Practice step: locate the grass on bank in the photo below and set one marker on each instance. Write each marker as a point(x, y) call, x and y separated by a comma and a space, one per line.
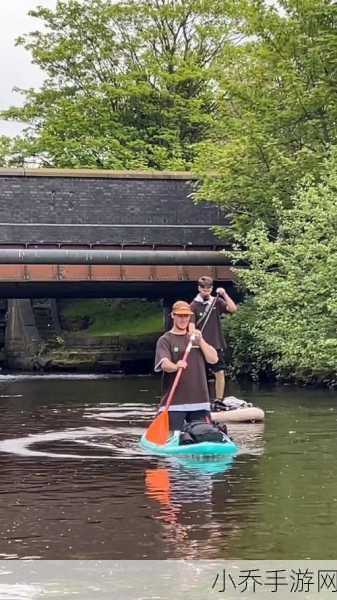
point(107, 317)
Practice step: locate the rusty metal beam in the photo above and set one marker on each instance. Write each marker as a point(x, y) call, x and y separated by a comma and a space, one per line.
point(67, 256)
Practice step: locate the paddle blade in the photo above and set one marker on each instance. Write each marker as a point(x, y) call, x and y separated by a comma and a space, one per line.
point(158, 432)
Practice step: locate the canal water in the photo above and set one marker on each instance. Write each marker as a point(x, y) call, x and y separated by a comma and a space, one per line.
point(75, 484)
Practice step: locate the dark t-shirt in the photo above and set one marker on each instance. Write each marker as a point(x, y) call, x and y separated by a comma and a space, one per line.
point(192, 391)
point(212, 332)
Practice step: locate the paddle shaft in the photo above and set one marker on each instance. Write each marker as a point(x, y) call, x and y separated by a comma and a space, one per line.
point(209, 312)
point(178, 375)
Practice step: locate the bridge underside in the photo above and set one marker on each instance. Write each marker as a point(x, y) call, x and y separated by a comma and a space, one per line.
point(61, 281)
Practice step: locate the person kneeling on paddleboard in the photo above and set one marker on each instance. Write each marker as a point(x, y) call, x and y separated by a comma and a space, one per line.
point(191, 400)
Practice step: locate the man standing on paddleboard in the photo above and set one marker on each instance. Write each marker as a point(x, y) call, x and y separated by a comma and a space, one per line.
point(191, 400)
point(207, 310)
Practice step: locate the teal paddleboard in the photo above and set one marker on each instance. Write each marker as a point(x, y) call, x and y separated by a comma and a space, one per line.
point(172, 447)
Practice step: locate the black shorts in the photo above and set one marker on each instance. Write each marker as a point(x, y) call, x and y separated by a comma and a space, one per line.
point(178, 418)
point(220, 365)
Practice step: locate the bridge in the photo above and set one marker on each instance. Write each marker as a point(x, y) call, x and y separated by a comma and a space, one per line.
point(85, 233)
point(104, 233)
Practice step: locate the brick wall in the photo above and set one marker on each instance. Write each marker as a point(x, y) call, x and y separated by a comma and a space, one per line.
point(56, 208)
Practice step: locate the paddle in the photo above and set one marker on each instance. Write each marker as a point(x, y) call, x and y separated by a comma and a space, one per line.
point(159, 430)
point(209, 312)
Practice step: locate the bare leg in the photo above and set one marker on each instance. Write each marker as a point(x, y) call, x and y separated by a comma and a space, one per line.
point(219, 385)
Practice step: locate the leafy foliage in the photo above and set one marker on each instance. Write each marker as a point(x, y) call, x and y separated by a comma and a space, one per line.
point(6, 146)
point(107, 317)
point(289, 327)
point(277, 109)
point(129, 84)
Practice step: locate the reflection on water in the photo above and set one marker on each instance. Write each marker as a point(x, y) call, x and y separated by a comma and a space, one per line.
point(75, 483)
point(19, 592)
point(22, 376)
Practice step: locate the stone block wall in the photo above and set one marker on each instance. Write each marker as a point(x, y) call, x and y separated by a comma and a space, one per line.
point(38, 207)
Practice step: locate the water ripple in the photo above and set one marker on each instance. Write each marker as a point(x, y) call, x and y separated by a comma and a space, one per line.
point(23, 446)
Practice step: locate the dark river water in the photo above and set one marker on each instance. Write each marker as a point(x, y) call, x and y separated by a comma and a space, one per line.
point(75, 484)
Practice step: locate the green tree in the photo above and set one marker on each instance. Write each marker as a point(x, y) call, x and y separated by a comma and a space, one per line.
point(128, 84)
point(276, 106)
point(6, 145)
point(289, 326)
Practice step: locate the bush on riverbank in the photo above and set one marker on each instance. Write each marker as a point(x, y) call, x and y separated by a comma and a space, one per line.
point(289, 328)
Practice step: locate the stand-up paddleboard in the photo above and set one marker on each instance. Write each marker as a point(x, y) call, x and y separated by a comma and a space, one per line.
point(233, 410)
point(252, 414)
point(173, 448)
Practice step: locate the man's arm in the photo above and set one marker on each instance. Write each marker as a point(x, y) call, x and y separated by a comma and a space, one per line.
point(230, 304)
point(170, 367)
point(163, 360)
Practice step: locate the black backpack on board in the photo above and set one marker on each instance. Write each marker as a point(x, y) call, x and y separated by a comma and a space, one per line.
point(200, 431)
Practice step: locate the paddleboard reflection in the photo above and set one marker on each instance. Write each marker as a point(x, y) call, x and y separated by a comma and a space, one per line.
point(182, 488)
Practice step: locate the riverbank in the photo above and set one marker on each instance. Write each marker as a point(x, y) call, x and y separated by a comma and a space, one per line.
point(119, 336)
point(111, 317)
point(100, 335)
